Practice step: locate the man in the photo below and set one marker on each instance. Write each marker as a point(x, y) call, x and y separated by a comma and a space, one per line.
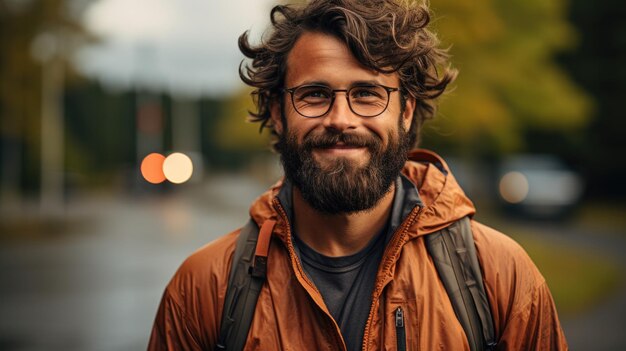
point(345, 87)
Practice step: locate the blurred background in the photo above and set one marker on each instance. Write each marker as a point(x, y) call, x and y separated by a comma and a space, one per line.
point(91, 229)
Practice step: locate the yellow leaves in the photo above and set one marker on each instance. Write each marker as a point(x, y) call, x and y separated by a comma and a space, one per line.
point(234, 132)
point(478, 114)
point(508, 80)
point(466, 23)
point(557, 104)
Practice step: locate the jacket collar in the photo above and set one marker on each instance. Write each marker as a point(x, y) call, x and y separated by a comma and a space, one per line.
point(444, 200)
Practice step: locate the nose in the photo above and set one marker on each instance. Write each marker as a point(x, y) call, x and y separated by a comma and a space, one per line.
point(340, 117)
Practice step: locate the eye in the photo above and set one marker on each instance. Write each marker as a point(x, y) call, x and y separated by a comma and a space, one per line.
point(312, 94)
point(367, 93)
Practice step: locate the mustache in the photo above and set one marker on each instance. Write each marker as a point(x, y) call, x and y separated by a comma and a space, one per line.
point(326, 140)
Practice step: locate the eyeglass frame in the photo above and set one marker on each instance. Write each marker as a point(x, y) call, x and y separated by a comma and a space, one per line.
point(334, 92)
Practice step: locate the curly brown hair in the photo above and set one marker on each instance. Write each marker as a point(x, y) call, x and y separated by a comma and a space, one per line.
point(384, 35)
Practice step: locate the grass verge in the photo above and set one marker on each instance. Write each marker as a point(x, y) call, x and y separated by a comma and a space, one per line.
point(40, 228)
point(577, 279)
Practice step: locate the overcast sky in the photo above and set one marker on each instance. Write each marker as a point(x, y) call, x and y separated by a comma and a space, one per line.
point(183, 46)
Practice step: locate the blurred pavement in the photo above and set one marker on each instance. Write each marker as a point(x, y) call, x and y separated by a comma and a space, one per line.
point(98, 287)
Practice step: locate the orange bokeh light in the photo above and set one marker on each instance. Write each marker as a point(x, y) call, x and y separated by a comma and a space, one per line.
point(152, 168)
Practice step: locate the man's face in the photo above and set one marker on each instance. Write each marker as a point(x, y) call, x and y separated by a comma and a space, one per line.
point(340, 162)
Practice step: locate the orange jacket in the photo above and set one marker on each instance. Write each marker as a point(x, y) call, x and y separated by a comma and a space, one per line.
point(291, 315)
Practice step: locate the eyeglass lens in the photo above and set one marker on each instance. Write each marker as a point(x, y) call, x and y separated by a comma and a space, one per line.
point(315, 101)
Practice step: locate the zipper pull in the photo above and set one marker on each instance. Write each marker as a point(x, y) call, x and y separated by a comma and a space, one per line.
point(400, 332)
point(399, 318)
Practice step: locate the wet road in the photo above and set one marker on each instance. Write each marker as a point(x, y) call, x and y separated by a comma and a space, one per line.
point(98, 287)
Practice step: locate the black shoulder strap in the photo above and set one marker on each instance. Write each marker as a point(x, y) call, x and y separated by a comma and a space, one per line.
point(247, 275)
point(454, 254)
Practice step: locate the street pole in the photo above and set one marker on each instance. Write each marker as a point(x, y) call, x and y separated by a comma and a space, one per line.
point(186, 133)
point(52, 125)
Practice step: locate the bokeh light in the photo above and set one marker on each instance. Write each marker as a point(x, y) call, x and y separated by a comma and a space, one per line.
point(177, 168)
point(514, 187)
point(152, 168)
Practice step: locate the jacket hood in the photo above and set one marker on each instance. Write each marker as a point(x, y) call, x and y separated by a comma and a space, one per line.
point(443, 199)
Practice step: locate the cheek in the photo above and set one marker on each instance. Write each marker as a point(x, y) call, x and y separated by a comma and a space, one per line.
point(385, 130)
point(300, 127)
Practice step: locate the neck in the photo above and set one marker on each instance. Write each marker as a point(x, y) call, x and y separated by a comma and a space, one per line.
point(340, 234)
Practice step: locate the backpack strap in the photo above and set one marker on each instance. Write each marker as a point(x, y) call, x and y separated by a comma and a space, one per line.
point(454, 255)
point(246, 278)
point(452, 250)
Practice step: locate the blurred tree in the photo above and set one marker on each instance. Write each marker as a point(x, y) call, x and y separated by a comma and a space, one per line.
point(237, 138)
point(598, 65)
point(31, 31)
point(509, 81)
point(100, 138)
point(19, 93)
point(210, 108)
point(234, 131)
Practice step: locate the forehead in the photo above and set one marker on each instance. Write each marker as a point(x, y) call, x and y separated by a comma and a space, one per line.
point(322, 58)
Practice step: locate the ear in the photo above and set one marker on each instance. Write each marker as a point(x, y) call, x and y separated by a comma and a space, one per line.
point(407, 115)
point(275, 115)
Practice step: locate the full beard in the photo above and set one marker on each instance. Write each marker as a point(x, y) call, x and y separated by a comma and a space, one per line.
point(344, 186)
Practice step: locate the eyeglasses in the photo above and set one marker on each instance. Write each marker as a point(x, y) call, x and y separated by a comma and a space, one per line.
point(314, 100)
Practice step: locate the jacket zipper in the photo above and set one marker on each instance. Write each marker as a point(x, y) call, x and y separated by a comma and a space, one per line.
point(402, 228)
point(400, 331)
point(291, 252)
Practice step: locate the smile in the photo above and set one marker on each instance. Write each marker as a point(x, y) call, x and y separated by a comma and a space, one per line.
point(340, 149)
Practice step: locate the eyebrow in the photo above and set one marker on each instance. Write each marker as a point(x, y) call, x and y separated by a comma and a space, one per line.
point(352, 84)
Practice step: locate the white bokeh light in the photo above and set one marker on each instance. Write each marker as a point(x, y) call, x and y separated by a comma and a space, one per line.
point(177, 168)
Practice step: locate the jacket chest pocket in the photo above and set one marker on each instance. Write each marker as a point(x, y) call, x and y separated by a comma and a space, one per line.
point(401, 326)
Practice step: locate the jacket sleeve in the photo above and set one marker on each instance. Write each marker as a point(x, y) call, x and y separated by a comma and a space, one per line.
point(534, 326)
point(190, 312)
point(523, 310)
point(172, 329)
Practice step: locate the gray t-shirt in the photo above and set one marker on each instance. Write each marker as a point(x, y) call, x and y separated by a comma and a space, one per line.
point(346, 283)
